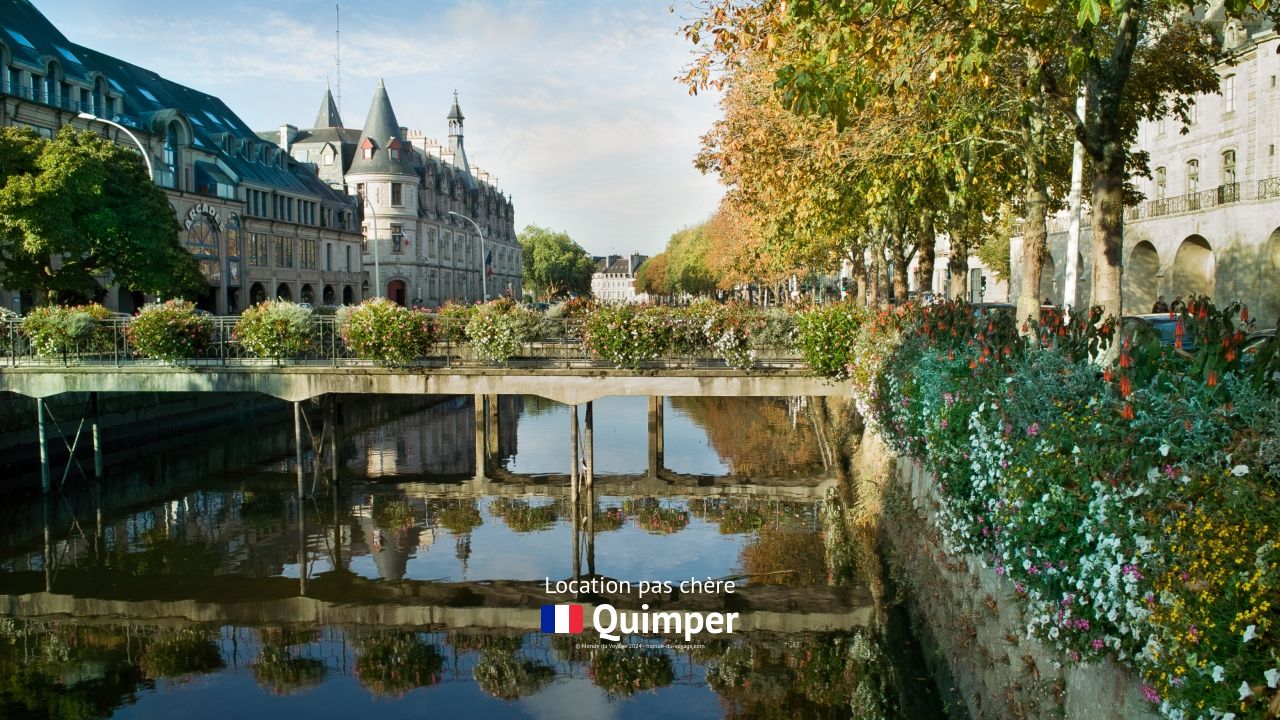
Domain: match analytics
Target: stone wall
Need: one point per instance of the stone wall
(971, 623)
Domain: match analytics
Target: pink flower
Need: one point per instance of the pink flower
(1150, 693)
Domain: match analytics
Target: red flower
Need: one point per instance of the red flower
(1244, 313)
(1126, 412)
(1107, 375)
(1126, 386)
(1212, 380)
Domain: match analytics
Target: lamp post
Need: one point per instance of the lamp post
(377, 266)
(484, 279)
(146, 158)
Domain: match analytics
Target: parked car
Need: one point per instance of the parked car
(989, 308)
(1254, 342)
(1164, 325)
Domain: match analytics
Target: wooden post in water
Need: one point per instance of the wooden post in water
(493, 425)
(655, 406)
(591, 530)
(590, 448)
(480, 445)
(97, 438)
(573, 447)
(573, 490)
(44, 448)
(297, 444)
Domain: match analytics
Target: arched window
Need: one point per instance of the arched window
(1162, 178)
(1229, 166)
(171, 146)
(202, 237)
(1193, 176)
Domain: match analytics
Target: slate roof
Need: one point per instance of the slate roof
(328, 116)
(382, 132)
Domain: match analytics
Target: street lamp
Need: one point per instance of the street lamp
(146, 158)
(484, 279)
(377, 266)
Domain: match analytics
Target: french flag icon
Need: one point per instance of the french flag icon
(562, 619)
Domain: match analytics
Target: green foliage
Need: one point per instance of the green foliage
(627, 335)
(452, 320)
(275, 329)
(181, 653)
(554, 265)
(825, 336)
(56, 331)
(623, 672)
(280, 672)
(170, 331)
(380, 330)
(506, 677)
(498, 329)
(993, 251)
(523, 516)
(78, 207)
(395, 662)
(8, 321)
(651, 277)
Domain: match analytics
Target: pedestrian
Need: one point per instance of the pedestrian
(1177, 305)
(1160, 306)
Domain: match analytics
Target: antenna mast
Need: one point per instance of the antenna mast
(337, 50)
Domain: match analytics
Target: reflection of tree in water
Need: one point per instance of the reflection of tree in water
(162, 555)
(394, 513)
(820, 675)
(534, 406)
(509, 677)
(279, 669)
(523, 516)
(652, 515)
(181, 653)
(64, 672)
(394, 662)
(739, 515)
(626, 671)
(754, 437)
(459, 516)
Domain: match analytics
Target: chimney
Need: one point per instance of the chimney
(287, 134)
(636, 261)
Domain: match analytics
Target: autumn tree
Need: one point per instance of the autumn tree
(79, 212)
(554, 265)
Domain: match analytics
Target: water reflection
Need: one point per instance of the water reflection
(399, 575)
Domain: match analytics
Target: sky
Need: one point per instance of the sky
(571, 105)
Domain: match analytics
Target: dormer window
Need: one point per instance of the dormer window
(393, 147)
(366, 149)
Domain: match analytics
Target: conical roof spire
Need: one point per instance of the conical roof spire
(455, 142)
(328, 116)
(381, 149)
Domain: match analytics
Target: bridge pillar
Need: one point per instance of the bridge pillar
(655, 436)
(573, 446)
(491, 429)
(590, 447)
(44, 448)
(478, 401)
(97, 437)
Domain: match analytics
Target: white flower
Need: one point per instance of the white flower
(1273, 677)
(1164, 450)
(1250, 633)
(1219, 673)
(1240, 470)
(1245, 691)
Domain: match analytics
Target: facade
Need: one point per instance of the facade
(261, 224)
(419, 201)
(1210, 221)
(614, 280)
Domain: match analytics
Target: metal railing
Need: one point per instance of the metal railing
(556, 344)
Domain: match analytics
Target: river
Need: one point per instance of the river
(193, 581)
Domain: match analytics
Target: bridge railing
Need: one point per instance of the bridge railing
(557, 342)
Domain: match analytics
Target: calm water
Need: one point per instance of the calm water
(402, 585)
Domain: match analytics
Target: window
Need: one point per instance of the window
(328, 156)
(22, 39)
(1193, 113)
(1229, 167)
(328, 257)
(1193, 176)
(233, 237)
(147, 94)
(119, 88)
(348, 258)
(397, 194)
(284, 252)
(67, 54)
(397, 237)
(307, 255)
(1229, 94)
(1162, 177)
(171, 147)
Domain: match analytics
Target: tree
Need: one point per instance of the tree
(554, 264)
(651, 276)
(79, 211)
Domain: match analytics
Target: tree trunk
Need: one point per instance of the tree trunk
(898, 254)
(924, 269)
(875, 272)
(958, 264)
(1108, 234)
(1034, 232)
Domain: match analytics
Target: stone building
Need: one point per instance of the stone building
(419, 200)
(261, 224)
(1210, 220)
(614, 280)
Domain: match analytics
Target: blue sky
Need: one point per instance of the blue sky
(570, 104)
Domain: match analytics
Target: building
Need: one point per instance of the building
(1210, 221)
(261, 224)
(614, 280)
(420, 201)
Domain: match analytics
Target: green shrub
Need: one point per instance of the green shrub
(275, 329)
(170, 331)
(8, 326)
(498, 329)
(825, 336)
(58, 331)
(627, 335)
(452, 320)
(380, 330)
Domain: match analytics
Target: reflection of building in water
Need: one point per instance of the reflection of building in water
(437, 441)
(758, 437)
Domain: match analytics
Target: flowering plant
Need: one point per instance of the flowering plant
(58, 331)
(499, 328)
(274, 329)
(380, 330)
(170, 331)
(452, 320)
(627, 335)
